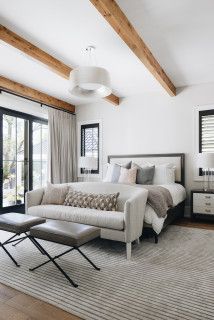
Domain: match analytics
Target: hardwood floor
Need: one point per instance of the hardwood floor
(186, 222)
(15, 305)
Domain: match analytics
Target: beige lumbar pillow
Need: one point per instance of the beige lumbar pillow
(128, 175)
(54, 194)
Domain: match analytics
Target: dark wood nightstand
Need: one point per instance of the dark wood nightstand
(202, 204)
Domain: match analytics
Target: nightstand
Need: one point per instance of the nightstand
(202, 204)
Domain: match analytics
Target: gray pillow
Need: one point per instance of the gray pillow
(127, 165)
(144, 174)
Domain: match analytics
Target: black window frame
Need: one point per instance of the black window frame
(82, 144)
(30, 119)
(38, 120)
(201, 114)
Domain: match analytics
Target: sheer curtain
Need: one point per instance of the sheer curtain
(62, 146)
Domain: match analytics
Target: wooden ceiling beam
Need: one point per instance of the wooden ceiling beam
(29, 93)
(112, 13)
(28, 48)
(52, 63)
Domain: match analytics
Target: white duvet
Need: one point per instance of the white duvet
(178, 194)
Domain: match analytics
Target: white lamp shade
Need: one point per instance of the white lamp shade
(89, 82)
(88, 163)
(205, 160)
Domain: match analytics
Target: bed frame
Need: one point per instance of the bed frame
(176, 158)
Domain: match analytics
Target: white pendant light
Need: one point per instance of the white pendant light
(89, 81)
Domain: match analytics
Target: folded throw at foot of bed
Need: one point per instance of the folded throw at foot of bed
(160, 199)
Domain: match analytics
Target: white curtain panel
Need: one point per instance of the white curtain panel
(62, 146)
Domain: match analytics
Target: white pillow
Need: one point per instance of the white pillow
(113, 173)
(164, 174)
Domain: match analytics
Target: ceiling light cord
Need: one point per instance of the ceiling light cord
(91, 56)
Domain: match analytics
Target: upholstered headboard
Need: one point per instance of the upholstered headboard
(176, 158)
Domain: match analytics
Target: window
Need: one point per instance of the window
(23, 156)
(39, 154)
(13, 160)
(206, 132)
(90, 142)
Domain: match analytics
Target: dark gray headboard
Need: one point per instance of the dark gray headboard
(178, 159)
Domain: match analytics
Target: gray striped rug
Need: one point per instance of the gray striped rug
(171, 280)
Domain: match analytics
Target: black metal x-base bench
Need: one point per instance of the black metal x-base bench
(70, 234)
(18, 224)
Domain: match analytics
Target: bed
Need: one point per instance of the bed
(153, 224)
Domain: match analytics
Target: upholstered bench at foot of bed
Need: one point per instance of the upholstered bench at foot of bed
(70, 234)
(18, 224)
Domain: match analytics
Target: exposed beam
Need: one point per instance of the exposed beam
(28, 48)
(52, 63)
(26, 92)
(110, 10)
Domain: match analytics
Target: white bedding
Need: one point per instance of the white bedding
(178, 194)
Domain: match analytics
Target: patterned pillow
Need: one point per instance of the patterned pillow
(78, 199)
(107, 202)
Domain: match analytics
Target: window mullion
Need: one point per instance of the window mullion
(1, 159)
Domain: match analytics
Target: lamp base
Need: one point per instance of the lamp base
(86, 175)
(207, 177)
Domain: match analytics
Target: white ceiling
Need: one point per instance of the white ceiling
(179, 33)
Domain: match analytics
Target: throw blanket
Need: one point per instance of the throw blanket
(160, 199)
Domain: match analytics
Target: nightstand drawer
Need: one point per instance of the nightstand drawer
(203, 209)
(203, 199)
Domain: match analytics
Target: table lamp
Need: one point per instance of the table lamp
(87, 164)
(205, 161)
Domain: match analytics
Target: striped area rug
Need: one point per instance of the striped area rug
(172, 280)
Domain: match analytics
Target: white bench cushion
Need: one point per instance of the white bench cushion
(103, 219)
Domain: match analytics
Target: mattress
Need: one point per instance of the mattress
(178, 194)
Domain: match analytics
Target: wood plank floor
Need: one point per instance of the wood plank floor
(186, 222)
(15, 305)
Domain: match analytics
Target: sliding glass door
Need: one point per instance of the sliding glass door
(23, 157)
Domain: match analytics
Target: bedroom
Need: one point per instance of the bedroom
(143, 116)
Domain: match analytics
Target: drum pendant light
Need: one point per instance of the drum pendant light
(89, 81)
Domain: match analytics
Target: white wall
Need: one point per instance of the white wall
(12, 102)
(151, 124)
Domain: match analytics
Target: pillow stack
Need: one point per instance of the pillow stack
(144, 174)
(114, 170)
(130, 173)
(63, 195)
